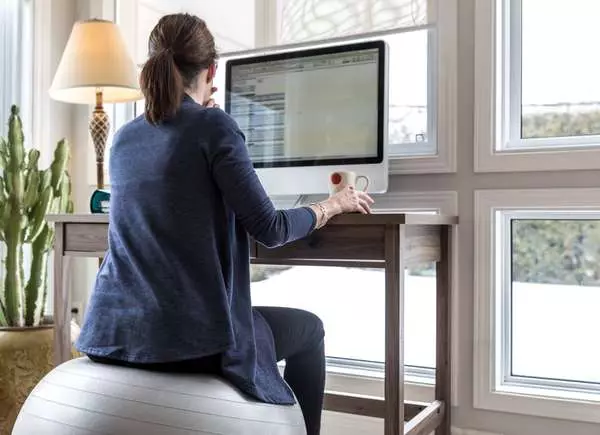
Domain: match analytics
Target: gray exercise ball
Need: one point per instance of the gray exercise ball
(82, 397)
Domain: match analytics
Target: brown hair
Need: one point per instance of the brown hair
(179, 48)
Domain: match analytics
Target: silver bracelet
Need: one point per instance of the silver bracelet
(325, 217)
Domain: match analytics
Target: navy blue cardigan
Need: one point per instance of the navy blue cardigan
(175, 281)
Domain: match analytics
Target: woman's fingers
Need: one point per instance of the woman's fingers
(361, 208)
(211, 103)
(364, 205)
(367, 197)
(353, 200)
(360, 204)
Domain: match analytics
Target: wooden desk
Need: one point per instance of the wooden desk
(389, 241)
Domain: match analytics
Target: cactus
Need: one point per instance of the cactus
(27, 195)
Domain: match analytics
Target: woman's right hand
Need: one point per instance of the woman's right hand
(351, 200)
(347, 200)
(210, 102)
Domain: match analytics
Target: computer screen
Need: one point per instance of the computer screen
(310, 107)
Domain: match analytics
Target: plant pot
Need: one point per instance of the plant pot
(26, 356)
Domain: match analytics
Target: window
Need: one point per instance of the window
(355, 335)
(411, 95)
(410, 130)
(559, 98)
(421, 81)
(537, 297)
(550, 103)
(411, 89)
(137, 18)
(537, 92)
(554, 294)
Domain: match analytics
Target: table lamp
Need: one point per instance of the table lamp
(96, 68)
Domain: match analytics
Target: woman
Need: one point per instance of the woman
(173, 292)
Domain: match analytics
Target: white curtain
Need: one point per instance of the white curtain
(16, 76)
(15, 70)
(9, 60)
(306, 20)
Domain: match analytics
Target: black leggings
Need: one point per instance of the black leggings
(299, 340)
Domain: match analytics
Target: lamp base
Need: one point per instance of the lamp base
(99, 129)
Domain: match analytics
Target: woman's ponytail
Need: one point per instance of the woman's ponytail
(180, 47)
(162, 86)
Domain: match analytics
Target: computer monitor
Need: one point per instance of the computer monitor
(308, 113)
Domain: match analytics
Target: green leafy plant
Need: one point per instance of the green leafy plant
(27, 195)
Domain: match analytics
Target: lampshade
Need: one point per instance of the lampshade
(95, 58)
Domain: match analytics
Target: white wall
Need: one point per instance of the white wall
(465, 181)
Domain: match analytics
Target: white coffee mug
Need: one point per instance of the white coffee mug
(340, 179)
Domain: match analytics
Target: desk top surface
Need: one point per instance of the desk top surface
(347, 219)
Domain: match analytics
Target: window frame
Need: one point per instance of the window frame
(395, 150)
(495, 389)
(556, 388)
(442, 72)
(497, 109)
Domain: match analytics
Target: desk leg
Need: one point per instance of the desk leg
(394, 329)
(444, 328)
(62, 299)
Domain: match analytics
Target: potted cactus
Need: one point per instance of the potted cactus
(27, 195)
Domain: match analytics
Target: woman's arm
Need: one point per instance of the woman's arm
(242, 191)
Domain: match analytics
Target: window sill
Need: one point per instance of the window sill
(541, 392)
(527, 160)
(425, 378)
(368, 382)
(424, 164)
(581, 143)
(540, 402)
